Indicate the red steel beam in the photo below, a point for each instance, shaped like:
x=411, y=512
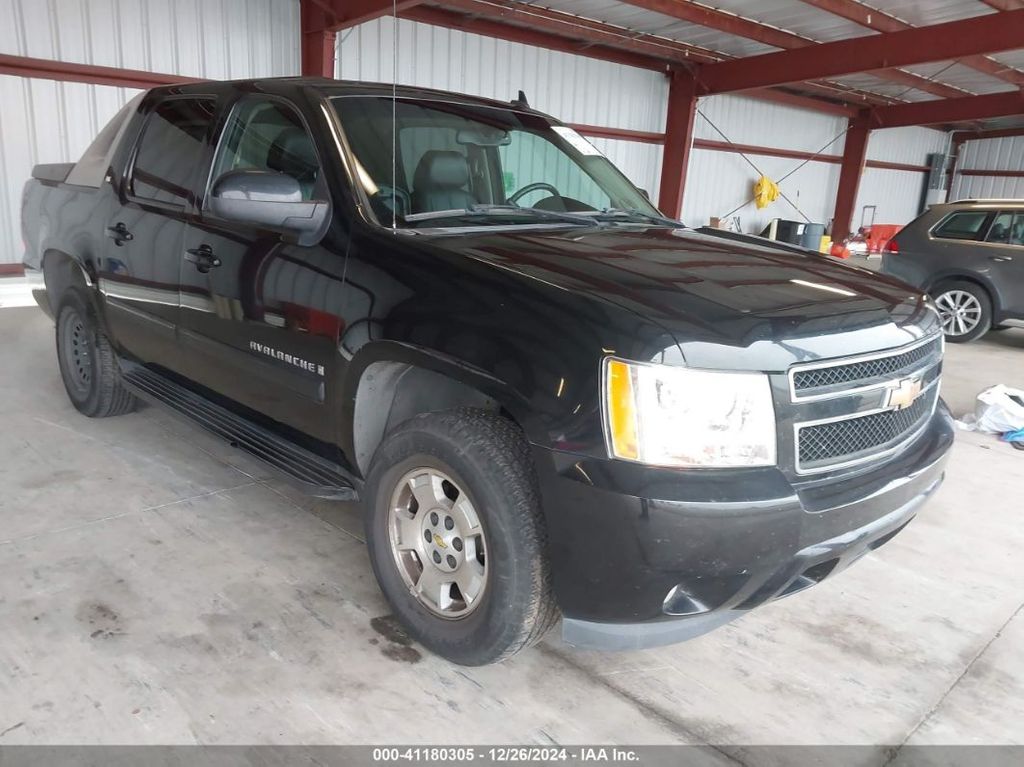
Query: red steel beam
x=732, y=24
x=585, y=30
x=489, y=28
x=992, y=173
x=952, y=40
x=1005, y=5
x=567, y=38
x=317, y=44
x=880, y=21
x=949, y=110
x=855, y=155
x=349, y=13
x=682, y=109
x=66, y=71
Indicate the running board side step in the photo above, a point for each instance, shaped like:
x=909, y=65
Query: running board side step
x=315, y=475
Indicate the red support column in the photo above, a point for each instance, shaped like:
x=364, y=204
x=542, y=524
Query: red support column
x=317, y=40
x=682, y=107
x=855, y=154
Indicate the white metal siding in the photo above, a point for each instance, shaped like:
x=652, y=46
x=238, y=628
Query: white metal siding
x=575, y=89
x=991, y=154
x=43, y=121
x=718, y=182
x=897, y=193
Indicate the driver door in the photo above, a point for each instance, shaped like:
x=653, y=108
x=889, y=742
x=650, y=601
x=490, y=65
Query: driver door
x=261, y=311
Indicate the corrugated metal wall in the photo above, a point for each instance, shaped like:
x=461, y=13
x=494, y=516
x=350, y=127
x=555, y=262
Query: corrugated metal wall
x=999, y=154
x=44, y=121
x=47, y=121
x=719, y=182
x=575, y=89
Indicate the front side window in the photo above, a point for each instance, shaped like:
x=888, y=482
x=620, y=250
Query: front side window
x=268, y=135
x=1007, y=229
x=451, y=162
x=965, y=225
x=171, y=148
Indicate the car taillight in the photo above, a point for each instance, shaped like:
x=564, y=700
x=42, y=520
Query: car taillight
x=892, y=246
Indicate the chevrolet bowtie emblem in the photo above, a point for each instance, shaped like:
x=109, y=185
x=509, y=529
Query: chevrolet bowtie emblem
x=440, y=541
x=902, y=394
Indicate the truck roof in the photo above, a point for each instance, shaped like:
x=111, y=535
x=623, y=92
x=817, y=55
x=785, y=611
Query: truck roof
x=330, y=87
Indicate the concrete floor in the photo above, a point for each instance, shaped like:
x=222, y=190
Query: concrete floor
x=157, y=586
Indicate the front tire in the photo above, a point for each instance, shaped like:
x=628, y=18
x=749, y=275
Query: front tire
x=965, y=309
x=87, y=361
x=456, y=536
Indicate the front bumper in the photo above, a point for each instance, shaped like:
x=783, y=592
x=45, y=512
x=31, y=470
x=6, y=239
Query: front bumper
x=642, y=556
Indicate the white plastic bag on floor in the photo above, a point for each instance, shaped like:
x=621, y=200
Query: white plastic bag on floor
x=999, y=409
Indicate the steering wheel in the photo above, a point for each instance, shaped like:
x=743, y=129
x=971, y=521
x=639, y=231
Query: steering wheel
x=534, y=187
x=394, y=198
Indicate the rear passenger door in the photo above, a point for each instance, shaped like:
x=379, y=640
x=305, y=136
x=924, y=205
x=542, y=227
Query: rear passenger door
x=139, y=273
x=260, y=312
x=1003, y=252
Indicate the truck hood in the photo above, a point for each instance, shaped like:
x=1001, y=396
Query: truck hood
x=731, y=302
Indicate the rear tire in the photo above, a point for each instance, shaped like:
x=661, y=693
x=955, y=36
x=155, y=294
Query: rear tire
x=87, y=361
x=456, y=535
x=965, y=309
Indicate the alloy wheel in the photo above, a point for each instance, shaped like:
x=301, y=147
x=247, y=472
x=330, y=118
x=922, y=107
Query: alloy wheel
x=960, y=312
x=438, y=543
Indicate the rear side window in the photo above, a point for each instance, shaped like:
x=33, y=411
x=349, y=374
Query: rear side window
x=171, y=147
x=965, y=225
x=1007, y=229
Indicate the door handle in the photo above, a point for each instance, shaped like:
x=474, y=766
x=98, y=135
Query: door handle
x=119, y=233
x=1000, y=258
x=203, y=258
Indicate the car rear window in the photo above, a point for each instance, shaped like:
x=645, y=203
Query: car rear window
x=965, y=225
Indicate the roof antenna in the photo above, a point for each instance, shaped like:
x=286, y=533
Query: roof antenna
x=521, y=101
x=394, y=120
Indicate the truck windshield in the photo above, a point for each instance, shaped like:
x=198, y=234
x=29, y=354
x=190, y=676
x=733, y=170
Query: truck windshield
x=456, y=164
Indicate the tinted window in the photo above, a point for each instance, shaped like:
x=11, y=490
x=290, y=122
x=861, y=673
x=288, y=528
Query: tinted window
x=170, y=149
x=267, y=135
x=966, y=225
x=1007, y=229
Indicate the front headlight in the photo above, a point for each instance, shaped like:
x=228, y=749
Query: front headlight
x=674, y=416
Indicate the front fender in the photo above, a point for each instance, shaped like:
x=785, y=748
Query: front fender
x=511, y=400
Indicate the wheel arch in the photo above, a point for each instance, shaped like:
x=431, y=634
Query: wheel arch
x=61, y=271
x=388, y=382
x=974, y=279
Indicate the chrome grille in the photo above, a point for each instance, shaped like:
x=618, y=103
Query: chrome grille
x=849, y=438
x=848, y=411
x=853, y=374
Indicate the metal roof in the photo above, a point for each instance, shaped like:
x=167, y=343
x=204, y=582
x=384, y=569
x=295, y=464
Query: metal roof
x=742, y=28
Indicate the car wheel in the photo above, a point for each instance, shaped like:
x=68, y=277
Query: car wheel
x=456, y=536
x=87, y=361
x=965, y=309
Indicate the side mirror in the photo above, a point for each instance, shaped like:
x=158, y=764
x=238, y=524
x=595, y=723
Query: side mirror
x=266, y=198
x=646, y=194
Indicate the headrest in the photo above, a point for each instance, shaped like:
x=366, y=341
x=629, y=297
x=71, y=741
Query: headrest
x=441, y=170
x=292, y=153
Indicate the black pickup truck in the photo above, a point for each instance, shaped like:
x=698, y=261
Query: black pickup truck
x=551, y=400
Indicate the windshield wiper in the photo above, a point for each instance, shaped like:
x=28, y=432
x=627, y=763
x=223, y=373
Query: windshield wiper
x=635, y=213
x=500, y=210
